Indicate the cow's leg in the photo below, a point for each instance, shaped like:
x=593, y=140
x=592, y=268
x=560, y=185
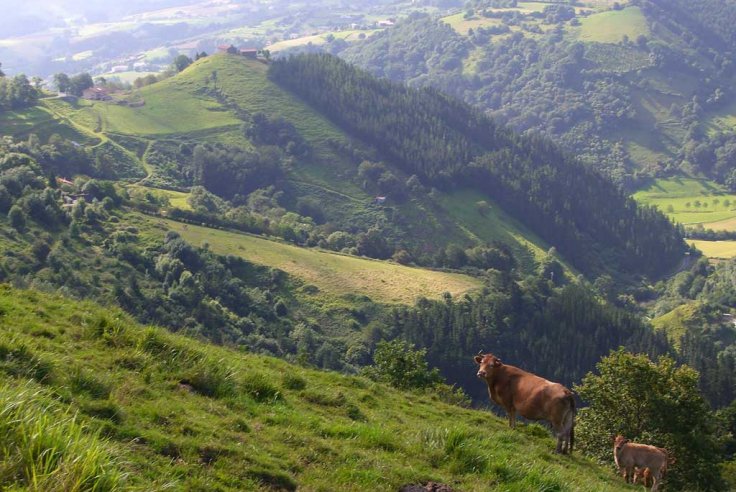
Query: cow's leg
x=512, y=417
x=629, y=474
x=655, y=480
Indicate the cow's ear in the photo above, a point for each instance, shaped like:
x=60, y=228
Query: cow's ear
x=478, y=359
x=497, y=362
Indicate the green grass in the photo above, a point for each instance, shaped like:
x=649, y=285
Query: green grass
x=676, y=322
x=320, y=39
x=721, y=250
x=495, y=225
x=39, y=121
x=672, y=196
x=613, y=25
x=332, y=273
x=462, y=25
x=176, y=199
x=181, y=415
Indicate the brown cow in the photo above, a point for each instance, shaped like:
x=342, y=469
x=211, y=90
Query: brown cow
x=530, y=396
x=629, y=455
x=645, y=474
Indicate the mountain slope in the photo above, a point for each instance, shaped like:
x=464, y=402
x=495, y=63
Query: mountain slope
x=219, y=91
x=628, y=88
x=447, y=143
x=162, y=411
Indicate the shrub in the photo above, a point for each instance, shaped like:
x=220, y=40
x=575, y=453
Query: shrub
x=260, y=388
x=212, y=378
x=293, y=382
x=399, y=365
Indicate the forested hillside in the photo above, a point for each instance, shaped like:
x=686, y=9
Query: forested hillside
x=449, y=144
x=641, y=89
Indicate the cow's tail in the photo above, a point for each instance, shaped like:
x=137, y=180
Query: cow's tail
x=571, y=415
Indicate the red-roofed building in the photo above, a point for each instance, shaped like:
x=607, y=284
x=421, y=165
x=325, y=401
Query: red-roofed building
x=96, y=94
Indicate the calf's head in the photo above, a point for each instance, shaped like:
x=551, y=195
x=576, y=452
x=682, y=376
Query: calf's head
x=487, y=363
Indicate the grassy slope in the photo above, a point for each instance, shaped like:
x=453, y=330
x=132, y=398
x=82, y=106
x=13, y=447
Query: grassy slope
x=675, y=322
x=268, y=422
x=333, y=273
x=177, y=108
x=677, y=192
x=721, y=250
x=613, y=25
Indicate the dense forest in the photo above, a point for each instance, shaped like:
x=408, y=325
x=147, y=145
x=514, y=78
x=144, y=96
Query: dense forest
x=446, y=143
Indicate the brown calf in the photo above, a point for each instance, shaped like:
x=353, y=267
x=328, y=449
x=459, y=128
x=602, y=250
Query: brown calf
x=530, y=396
x=630, y=455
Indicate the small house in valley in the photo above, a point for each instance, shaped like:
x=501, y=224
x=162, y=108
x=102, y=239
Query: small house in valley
x=96, y=94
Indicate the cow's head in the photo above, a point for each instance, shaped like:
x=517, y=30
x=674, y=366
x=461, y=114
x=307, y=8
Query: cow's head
x=619, y=441
x=487, y=364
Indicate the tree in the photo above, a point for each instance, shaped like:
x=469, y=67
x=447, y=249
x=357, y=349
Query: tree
x=2, y=74
x=79, y=83
x=654, y=403
x=181, y=62
x=17, y=218
x=400, y=365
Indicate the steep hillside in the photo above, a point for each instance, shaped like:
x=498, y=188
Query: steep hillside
x=132, y=407
x=628, y=87
x=447, y=143
x=213, y=99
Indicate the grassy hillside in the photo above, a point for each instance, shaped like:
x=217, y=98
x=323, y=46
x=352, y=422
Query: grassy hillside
x=195, y=107
x=720, y=250
x=613, y=25
x=146, y=410
x=333, y=273
x=692, y=201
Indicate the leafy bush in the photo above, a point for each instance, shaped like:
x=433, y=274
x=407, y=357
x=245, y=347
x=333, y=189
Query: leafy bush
x=398, y=364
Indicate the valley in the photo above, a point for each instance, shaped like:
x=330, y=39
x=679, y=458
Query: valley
x=270, y=266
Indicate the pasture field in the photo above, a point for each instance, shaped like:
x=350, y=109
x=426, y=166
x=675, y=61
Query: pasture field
x=494, y=225
x=719, y=250
x=675, y=322
x=691, y=201
x=611, y=26
x=462, y=25
x=721, y=120
x=144, y=409
x=332, y=273
x=176, y=199
x=37, y=120
x=320, y=39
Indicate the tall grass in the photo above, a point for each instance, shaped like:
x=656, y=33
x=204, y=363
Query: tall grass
x=44, y=449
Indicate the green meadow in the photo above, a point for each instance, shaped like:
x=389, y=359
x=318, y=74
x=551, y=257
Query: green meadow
x=332, y=273
x=720, y=250
x=611, y=26
x=691, y=201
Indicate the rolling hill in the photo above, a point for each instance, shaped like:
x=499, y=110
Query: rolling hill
x=93, y=399
x=619, y=85
x=191, y=108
